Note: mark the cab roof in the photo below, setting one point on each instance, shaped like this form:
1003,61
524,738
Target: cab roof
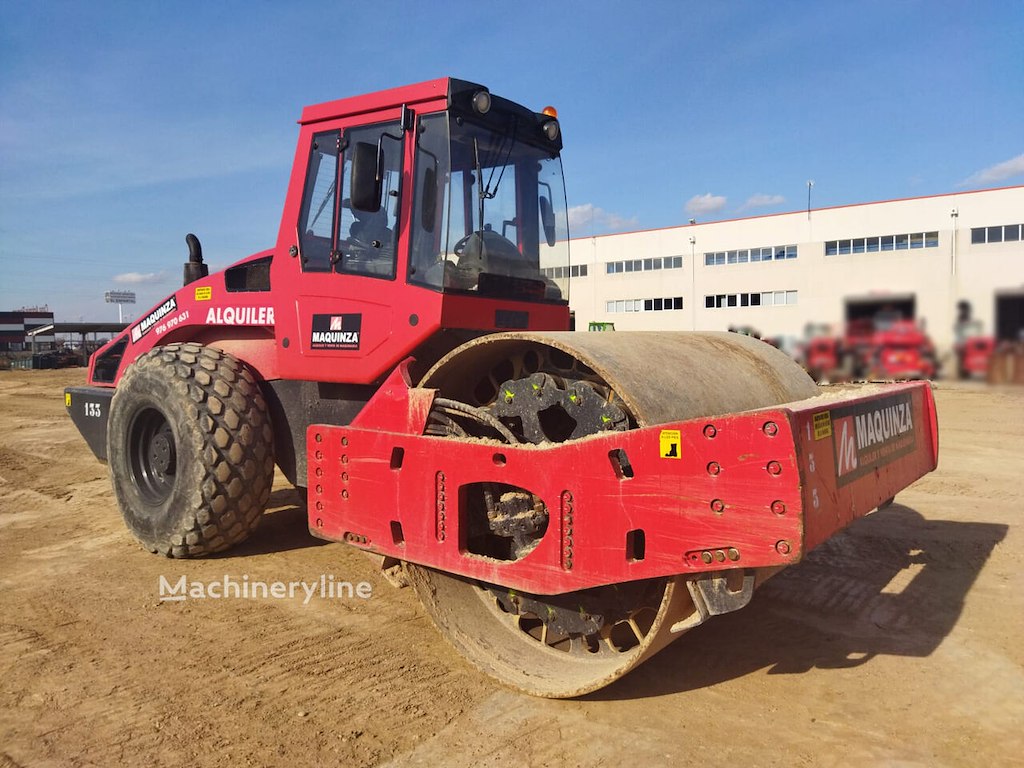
419,94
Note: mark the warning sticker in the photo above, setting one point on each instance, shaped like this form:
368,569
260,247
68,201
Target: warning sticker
204,292
822,425
67,399
670,441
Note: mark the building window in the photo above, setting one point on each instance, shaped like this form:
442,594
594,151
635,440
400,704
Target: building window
777,253
1007,233
765,299
885,243
644,265
557,273
644,305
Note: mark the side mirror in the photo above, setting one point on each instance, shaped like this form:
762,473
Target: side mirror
547,218
428,210
365,179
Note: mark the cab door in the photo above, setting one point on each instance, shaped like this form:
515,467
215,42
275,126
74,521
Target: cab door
345,264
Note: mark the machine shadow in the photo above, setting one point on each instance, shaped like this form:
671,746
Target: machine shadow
283,527
892,583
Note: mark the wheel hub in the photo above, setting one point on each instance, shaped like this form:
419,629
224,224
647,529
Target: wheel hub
161,454
152,455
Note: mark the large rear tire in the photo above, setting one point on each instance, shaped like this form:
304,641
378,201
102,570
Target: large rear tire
190,450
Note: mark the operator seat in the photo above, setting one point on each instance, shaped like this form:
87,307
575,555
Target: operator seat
375,243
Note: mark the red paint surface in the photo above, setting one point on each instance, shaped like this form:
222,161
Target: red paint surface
357,492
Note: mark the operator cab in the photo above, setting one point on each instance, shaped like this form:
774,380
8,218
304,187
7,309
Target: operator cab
487,208
424,209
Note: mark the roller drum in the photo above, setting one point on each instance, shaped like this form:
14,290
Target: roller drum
653,378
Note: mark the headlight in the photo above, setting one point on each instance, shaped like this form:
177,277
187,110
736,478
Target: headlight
482,102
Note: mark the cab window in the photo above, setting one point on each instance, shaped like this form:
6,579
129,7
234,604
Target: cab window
368,240
319,203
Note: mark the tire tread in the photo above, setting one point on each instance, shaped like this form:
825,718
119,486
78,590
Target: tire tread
236,453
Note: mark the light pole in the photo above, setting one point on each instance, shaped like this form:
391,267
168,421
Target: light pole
954,215
693,283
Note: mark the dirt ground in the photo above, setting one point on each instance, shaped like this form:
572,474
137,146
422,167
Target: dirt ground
898,643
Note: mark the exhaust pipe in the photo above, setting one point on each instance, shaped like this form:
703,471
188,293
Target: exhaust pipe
194,267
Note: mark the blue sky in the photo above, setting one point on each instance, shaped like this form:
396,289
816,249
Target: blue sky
123,126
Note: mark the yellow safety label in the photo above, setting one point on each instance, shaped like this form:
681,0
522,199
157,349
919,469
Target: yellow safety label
822,425
204,292
671,447
67,399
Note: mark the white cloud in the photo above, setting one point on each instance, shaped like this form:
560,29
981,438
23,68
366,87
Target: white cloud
137,278
761,200
996,173
590,217
702,205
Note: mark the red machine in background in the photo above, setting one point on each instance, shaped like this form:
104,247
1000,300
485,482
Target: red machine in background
973,350
883,347
822,358
889,346
565,504
822,354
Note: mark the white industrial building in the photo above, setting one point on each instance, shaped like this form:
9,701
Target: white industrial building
778,273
